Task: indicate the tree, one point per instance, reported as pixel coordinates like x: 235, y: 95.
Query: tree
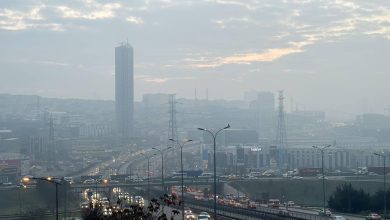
x: 377, y: 201
x: 206, y: 192
x: 348, y: 199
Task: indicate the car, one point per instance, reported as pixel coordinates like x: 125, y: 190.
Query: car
x: 189, y: 216
x: 104, y: 201
x: 373, y: 216
x: 297, y: 178
x: 116, y: 208
x: 69, y: 179
x: 187, y: 211
x: 85, y: 205
x: 252, y: 205
x: 290, y: 203
x: 107, y: 212
x: 320, y: 177
x: 7, y: 184
x: 327, y: 212
x: 338, y: 217
x: 139, y: 200
x: 204, y: 216
x: 284, y: 212
x: 89, y: 181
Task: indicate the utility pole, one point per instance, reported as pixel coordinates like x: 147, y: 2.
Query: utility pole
x: 322, y: 150
x: 281, y: 134
x: 384, y: 156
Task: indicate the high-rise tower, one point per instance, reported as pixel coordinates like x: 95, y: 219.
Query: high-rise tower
x: 124, y: 90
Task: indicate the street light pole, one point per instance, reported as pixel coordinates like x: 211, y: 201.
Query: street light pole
x: 181, y: 145
x: 96, y: 190
x: 214, y: 135
x: 50, y: 180
x: 148, y: 158
x: 322, y: 149
x: 20, y: 202
x: 56, y: 201
x: 384, y: 156
x: 162, y: 165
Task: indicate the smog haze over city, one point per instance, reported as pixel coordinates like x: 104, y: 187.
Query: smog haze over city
x: 194, y: 109
x: 326, y: 55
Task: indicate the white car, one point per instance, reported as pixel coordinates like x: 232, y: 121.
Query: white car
x: 89, y: 181
x: 327, y: 212
x: 189, y: 217
x: 187, y: 211
x: 139, y: 200
x: 297, y: 178
x: 7, y: 184
x: 338, y: 217
x: 320, y: 177
x: 204, y: 216
x: 290, y: 203
x: 107, y: 212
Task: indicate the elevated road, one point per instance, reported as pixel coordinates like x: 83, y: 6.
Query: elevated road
x: 188, y: 182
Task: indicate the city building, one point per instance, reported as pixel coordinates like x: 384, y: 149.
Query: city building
x: 264, y: 104
x: 12, y: 166
x: 124, y: 90
x: 253, y: 157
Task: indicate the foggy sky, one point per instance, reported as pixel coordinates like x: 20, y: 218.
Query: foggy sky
x: 330, y: 55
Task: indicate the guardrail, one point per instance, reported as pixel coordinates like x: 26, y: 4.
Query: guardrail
x: 244, y: 213
x: 144, y: 183
x: 37, y: 216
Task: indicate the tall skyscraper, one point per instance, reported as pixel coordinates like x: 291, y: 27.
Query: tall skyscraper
x: 124, y: 90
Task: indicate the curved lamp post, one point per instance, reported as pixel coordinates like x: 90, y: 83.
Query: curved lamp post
x: 148, y: 157
x: 214, y: 135
x: 50, y: 180
x: 322, y: 150
x: 19, y: 188
x: 181, y: 145
x: 162, y: 151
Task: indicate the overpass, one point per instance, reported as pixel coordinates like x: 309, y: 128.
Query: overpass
x: 79, y: 187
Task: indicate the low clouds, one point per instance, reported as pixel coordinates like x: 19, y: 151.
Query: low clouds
x: 57, y: 16
x: 134, y: 20
x: 90, y: 10
x: 259, y: 43
x: 15, y: 20
x: 266, y: 56
x: 339, y: 20
x: 155, y: 80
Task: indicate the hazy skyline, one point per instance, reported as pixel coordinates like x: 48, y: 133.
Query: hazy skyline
x: 326, y: 55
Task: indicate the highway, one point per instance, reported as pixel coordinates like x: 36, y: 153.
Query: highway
x: 121, y: 164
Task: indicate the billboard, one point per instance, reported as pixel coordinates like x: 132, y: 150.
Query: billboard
x: 10, y: 167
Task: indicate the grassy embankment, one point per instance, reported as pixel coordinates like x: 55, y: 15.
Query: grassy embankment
x: 308, y: 192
